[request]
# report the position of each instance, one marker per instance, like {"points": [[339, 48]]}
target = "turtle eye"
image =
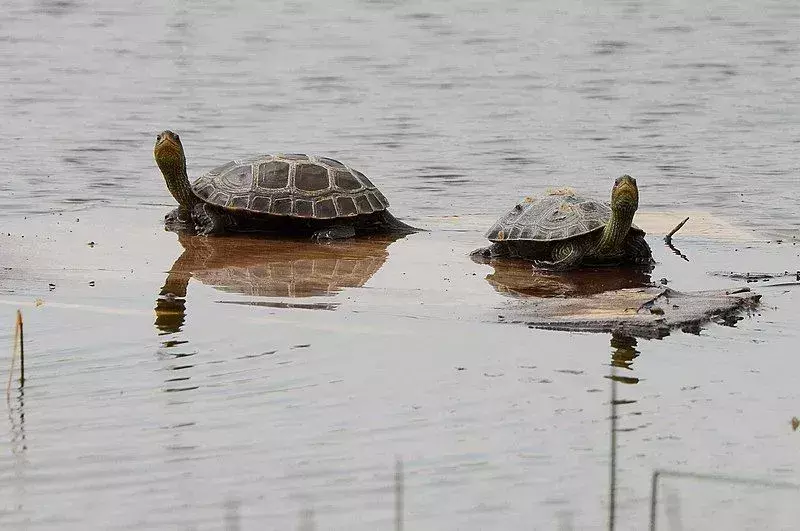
{"points": [[158, 138], [178, 138]]}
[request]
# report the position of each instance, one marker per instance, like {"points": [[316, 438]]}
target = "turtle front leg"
{"points": [[495, 250], [565, 256], [180, 218], [637, 251], [207, 221]]}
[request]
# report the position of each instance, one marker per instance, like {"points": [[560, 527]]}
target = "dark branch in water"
{"points": [[21, 349], [612, 477], [668, 237], [779, 285], [18, 341], [755, 277], [676, 250]]}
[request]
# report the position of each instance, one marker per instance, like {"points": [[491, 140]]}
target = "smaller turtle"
{"points": [[562, 230], [289, 194]]}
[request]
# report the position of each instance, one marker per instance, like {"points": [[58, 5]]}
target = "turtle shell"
{"points": [[294, 185], [556, 215]]}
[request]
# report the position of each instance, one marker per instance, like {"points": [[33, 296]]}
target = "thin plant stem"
{"points": [[668, 237], [17, 341], [398, 495]]}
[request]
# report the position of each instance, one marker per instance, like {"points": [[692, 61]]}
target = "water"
{"points": [[280, 386]]}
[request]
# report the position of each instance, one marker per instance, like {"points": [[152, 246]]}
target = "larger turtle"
{"points": [[288, 194], [561, 230]]}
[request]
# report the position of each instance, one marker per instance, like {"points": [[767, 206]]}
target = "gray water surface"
{"points": [[454, 107]]}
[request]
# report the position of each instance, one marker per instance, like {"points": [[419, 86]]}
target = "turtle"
{"points": [[292, 194], [561, 230]]}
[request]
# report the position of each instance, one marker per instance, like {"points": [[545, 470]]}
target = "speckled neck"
{"points": [[616, 230], [177, 180]]}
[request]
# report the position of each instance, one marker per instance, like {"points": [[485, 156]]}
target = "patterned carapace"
{"points": [[292, 185], [556, 215]]}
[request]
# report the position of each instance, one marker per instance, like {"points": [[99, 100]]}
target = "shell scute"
{"points": [[324, 208], [239, 201], [311, 178], [363, 179], [273, 175], [293, 156], [294, 185], [281, 206], [303, 208], [204, 190], [374, 202], [346, 181], [346, 206], [237, 178], [362, 204], [558, 215], [333, 163], [260, 203]]}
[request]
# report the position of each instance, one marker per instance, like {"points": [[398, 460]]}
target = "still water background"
{"points": [[454, 106], [454, 109]]}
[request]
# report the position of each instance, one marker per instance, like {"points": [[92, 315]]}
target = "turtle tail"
{"points": [[395, 225]]}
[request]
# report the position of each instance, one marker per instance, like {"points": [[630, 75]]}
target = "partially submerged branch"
{"points": [[19, 344], [668, 237]]}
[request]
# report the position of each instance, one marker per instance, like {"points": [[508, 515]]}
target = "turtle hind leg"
{"points": [[336, 232], [566, 256]]}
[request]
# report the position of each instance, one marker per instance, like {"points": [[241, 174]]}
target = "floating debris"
{"points": [[651, 312]]}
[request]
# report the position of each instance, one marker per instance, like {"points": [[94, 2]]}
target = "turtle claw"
{"points": [[483, 252], [206, 221], [543, 264], [334, 233], [178, 220], [177, 216], [495, 250]]}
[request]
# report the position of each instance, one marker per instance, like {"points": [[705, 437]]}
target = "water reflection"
{"points": [[16, 417], [623, 352], [519, 279], [268, 268]]}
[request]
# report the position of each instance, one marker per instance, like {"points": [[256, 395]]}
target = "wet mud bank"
{"points": [[81, 258]]}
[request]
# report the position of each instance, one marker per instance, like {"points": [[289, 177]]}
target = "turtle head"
{"points": [[169, 152], [171, 160], [625, 195]]}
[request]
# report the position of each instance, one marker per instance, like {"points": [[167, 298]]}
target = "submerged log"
{"points": [[651, 312]]}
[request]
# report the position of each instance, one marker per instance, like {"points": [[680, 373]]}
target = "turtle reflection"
{"points": [[279, 268], [611, 300], [518, 279]]}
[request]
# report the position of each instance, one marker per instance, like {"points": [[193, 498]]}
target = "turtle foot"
{"points": [[207, 221], [553, 266], [337, 232], [495, 250], [483, 252], [177, 220]]}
